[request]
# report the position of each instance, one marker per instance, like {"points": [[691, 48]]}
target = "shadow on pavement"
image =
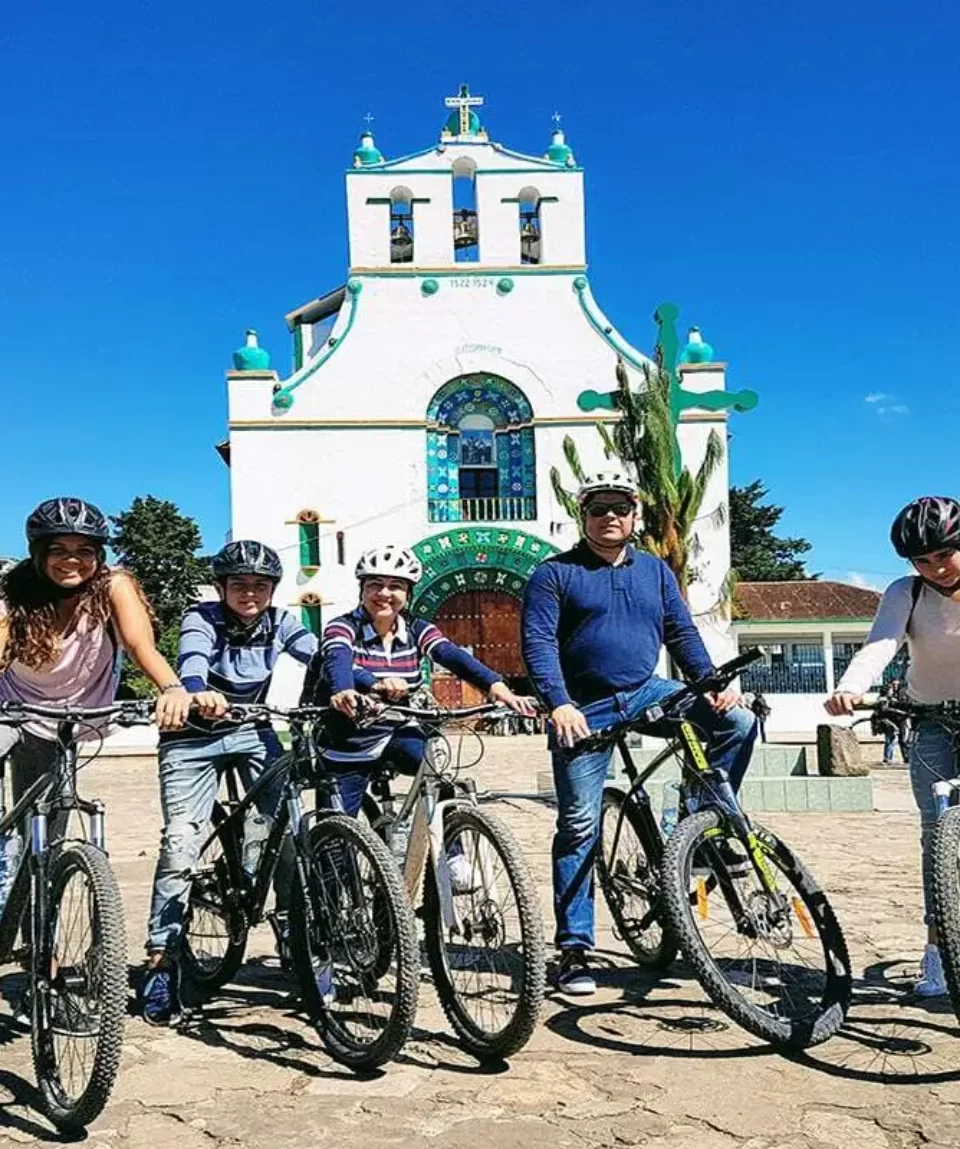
{"points": [[883, 1041], [16, 1093]]}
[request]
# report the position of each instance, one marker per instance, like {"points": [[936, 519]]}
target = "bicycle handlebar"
{"points": [[251, 711], [904, 708], [718, 679], [138, 712]]}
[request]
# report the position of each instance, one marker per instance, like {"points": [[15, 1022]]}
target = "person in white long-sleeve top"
{"points": [[923, 612]]}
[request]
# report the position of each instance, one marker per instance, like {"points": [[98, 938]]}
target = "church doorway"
{"points": [[487, 623]]}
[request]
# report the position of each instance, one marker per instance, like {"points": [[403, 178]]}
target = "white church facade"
{"points": [[432, 391]]}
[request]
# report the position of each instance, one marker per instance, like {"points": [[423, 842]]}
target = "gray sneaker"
{"points": [[574, 975]]}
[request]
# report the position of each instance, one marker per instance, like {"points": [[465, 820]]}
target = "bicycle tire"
{"points": [[390, 896], [108, 987], [511, 1037], [946, 885], [612, 882], [691, 834], [211, 893]]}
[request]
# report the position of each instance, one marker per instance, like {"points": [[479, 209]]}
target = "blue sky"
{"points": [[786, 173]]}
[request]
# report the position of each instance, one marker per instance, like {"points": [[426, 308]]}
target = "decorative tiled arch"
{"points": [[475, 558], [511, 414]]}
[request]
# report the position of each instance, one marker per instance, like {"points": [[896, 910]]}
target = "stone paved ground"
{"points": [[643, 1063]]}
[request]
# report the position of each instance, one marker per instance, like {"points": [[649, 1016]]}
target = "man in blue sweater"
{"points": [[594, 621]]}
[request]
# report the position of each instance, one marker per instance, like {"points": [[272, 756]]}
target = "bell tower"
{"points": [[466, 202]]}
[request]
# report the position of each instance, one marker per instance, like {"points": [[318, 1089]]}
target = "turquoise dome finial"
{"points": [[559, 151], [697, 349], [367, 153], [251, 356]]}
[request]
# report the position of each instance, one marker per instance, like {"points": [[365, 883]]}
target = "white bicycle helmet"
{"points": [[390, 561], [606, 481]]}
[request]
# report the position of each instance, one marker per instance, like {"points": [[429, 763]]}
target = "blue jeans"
{"points": [[933, 758], [579, 779], [190, 773], [404, 752]]}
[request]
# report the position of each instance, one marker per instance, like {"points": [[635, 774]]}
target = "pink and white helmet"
{"points": [[390, 561]]}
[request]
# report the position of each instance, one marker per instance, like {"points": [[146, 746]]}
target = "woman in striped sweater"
{"points": [[379, 648]]}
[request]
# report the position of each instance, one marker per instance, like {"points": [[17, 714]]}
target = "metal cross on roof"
{"points": [[368, 119], [556, 117], [464, 102]]}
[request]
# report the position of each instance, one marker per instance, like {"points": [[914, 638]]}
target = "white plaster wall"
{"points": [[563, 242], [369, 223]]}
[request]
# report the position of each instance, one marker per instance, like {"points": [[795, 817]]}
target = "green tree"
{"points": [[642, 440], [157, 544], [757, 554]]}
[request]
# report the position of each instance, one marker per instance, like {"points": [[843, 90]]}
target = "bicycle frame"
{"points": [[425, 806], [56, 790], [688, 744], [290, 817]]}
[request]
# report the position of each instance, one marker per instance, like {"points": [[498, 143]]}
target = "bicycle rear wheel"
{"points": [[489, 967], [215, 928], [353, 913], [628, 873], [777, 965], [79, 988], [946, 879]]}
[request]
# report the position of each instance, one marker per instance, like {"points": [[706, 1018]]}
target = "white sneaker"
{"points": [[932, 982], [463, 879]]}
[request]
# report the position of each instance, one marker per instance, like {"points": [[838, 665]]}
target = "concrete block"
{"points": [[852, 794], [751, 793], [773, 794], [795, 790], [818, 794]]}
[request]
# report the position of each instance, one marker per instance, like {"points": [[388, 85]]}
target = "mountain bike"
{"points": [[479, 904], [65, 903], [352, 938], [946, 840], [748, 916]]}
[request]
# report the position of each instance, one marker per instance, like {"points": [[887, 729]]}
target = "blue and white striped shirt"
{"points": [[213, 656]]}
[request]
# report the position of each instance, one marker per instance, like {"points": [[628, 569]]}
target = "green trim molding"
{"points": [[475, 558], [283, 399]]}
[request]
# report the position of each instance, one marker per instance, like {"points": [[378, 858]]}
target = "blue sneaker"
{"points": [[160, 995]]}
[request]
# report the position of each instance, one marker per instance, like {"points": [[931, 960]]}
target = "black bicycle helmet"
{"points": [[246, 557], [925, 525], [67, 517]]}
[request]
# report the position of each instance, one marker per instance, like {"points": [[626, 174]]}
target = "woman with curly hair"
{"points": [[66, 615]]}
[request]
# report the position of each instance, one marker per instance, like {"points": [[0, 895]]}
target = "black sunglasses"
{"points": [[598, 510]]}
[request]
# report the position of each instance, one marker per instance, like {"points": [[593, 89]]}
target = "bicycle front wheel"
{"points": [[215, 927], [946, 878], [354, 944], [773, 959], [628, 873], [488, 961], [79, 996]]}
